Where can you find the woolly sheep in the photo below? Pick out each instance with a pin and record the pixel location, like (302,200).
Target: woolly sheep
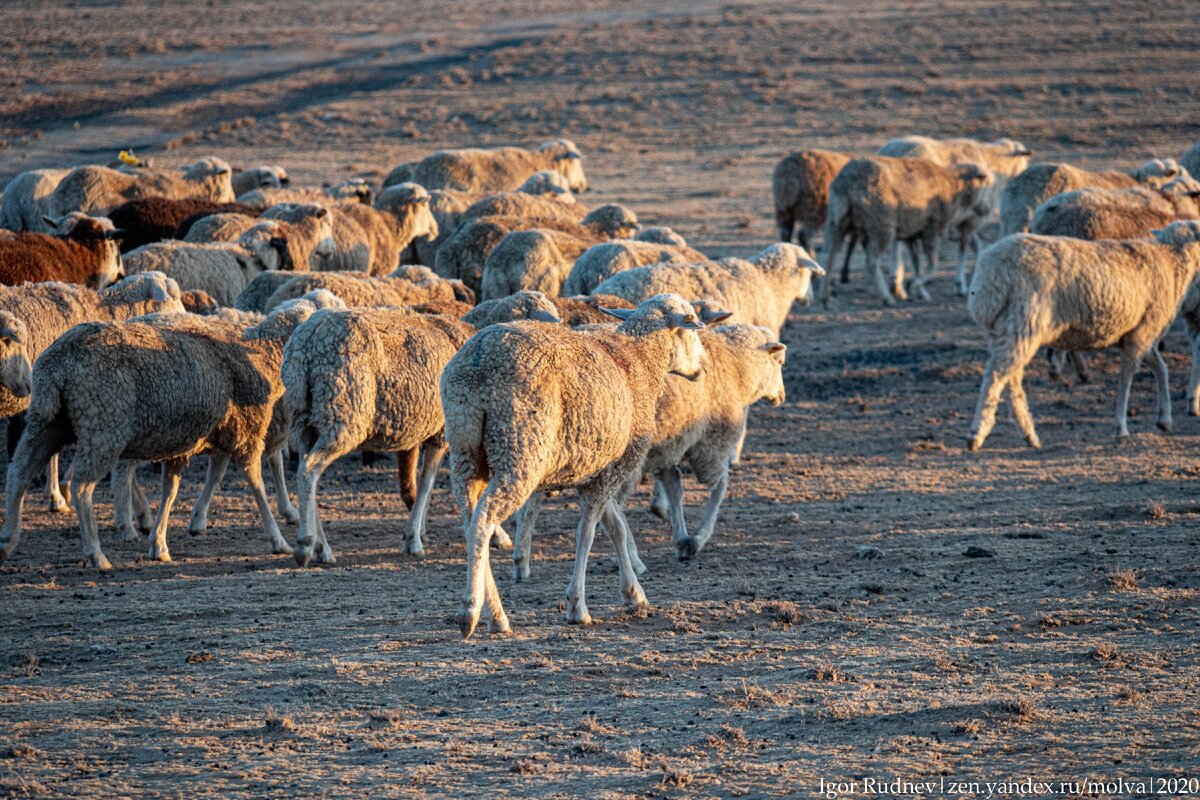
(89,254)
(1116,213)
(600,262)
(221,269)
(882,200)
(447,206)
(16,362)
(401,214)
(366,378)
(523,305)
(148,391)
(1040,182)
(524,204)
(261,177)
(401,173)
(254,297)
(538,259)
(152,219)
(27,200)
(298,246)
(463,254)
(660,234)
(800,185)
(499,170)
(354,190)
(1032,291)
(215,228)
(758,292)
(405,286)
(352,246)
(97,190)
(533,407)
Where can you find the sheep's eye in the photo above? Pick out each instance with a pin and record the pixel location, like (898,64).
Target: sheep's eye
(689,319)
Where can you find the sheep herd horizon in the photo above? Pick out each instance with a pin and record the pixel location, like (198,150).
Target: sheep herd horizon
(472,310)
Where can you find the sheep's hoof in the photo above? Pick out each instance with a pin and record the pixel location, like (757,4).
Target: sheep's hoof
(414,548)
(128,534)
(325,556)
(144,525)
(303,555)
(58,505)
(467,618)
(844,279)
(659,510)
(64,489)
(499,624)
(636,598)
(291,516)
(1034,442)
(98,561)
(974,443)
(281,547)
(686,549)
(520,570)
(501,539)
(1165,425)
(577,614)
(198,530)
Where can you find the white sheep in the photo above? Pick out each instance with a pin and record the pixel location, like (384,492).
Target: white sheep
(221,269)
(1033,291)
(760,291)
(499,170)
(531,407)
(297,246)
(407,285)
(267,176)
(1116,213)
(219,228)
(400,215)
(353,248)
(538,260)
(27,200)
(96,190)
(1024,193)
(601,261)
(366,379)
(355,190)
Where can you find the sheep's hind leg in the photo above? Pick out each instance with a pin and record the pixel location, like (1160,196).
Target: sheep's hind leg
(526,525)
(310,538)
(122,491)
(576,610)
(496,500)
(432,456)
(990,390)
(618,532)
(171,470)
(1020,406)
(1131,359)
(1163,394)
(283,503)
(54,495)
(217,464)
(716,494)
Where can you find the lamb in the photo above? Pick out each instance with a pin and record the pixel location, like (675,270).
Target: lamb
(156,391)
(800,185)
(300,246)
(88,254)
(499,170)
(366,378)
(202,229)
(700,423)
(1040,182)
(536,259)
(27,200)
(600,262)
(1032,291)
(533,407)
(221,269)
(882,200)
(400,215)
(261,177)
(355,190)
(758,292)
(97,190)
(352,246)
(463,254)
(405,286)
(153,219)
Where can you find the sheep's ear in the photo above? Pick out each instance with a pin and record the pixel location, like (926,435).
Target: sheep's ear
(422,199)
(775,347)
(115,235)
(285,181)
(1024,151)
(619,313)
(541,315)
(10,334)
(713,316)
(1172,173)
(809,264)
(572,156)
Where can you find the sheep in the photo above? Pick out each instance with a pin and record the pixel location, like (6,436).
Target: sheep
(89,254)
(401,173)
(50,309)
(660,234)
(16,362)
(26,200)
(199,302)
(298,246)
(882,200)
(758,292)
(698,422)
(800,185)
(97,190)
(400,215)
(1031,291)
(520,305)
(202,229)
(535,259)
(447,206)
(499,170)
(405,286)
(600,262)
(366,378)
(1190,161)
(152,219)
(533,407)
(221,269)
(354,190)
(464,252)
(525,204)
(161,390)
(352,246)
(270,176)
(1040,182)
(254,297)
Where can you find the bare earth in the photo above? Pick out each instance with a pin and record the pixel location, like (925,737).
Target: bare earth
(835,629)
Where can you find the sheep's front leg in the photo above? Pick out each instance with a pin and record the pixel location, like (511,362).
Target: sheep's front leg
(217,464)
(659,505)
(672,484)
(576,610)
(430,461)
(898,272)
(122,482)
(1163,394)
(618,532)
(283,503)
(171,470)
(1130,361)
(716,494)
(523,543)
(990,391)
(877,256)
(846,261)
(252,466)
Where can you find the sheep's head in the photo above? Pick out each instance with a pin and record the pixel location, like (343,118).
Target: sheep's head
(613,221)
(1179,233)
(1158,171)
(288,315)
(63,225)
(672,313)
(16,371)
(658,234)
(793,260)
(568,161)
(151,288)
(215,175)
(93,233)
(268,242)
(525,304)
(198,301)
(409,203)
(767,356)
(548,182)
(267,177)
(401,173)
(354,190)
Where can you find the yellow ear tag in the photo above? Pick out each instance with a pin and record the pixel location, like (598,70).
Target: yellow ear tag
(127,157)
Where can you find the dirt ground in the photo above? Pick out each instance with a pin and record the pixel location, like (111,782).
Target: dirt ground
(877,604)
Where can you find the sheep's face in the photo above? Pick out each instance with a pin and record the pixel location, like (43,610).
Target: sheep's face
(160,293)
(215,175)
(1179,233)
(268,249)
(424,224)
(354,190)
(568,162)
(1158,172)
(687,354)
(1016,156)
(92,233)
(673,314)
(613,221)
(16,371)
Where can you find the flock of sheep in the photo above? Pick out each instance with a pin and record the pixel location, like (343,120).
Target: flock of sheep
(472,307)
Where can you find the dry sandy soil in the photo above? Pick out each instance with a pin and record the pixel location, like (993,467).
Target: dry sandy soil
(836,629)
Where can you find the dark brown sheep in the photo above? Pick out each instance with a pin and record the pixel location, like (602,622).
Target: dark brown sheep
(87,255)
(153,219)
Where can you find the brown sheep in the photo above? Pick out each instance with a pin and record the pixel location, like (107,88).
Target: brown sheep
(87,255)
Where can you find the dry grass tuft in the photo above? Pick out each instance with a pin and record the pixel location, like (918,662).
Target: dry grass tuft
(1107,654)
(675,776)
(784,612)
(274,722)
(1019,707)
(968,727)
(28,664)
(1157,510)
(751,696)
(385,717)
(527,766)
(829,673)
(588,744)
(199,657)
(1128,694)
(22,751)
(1123,580)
